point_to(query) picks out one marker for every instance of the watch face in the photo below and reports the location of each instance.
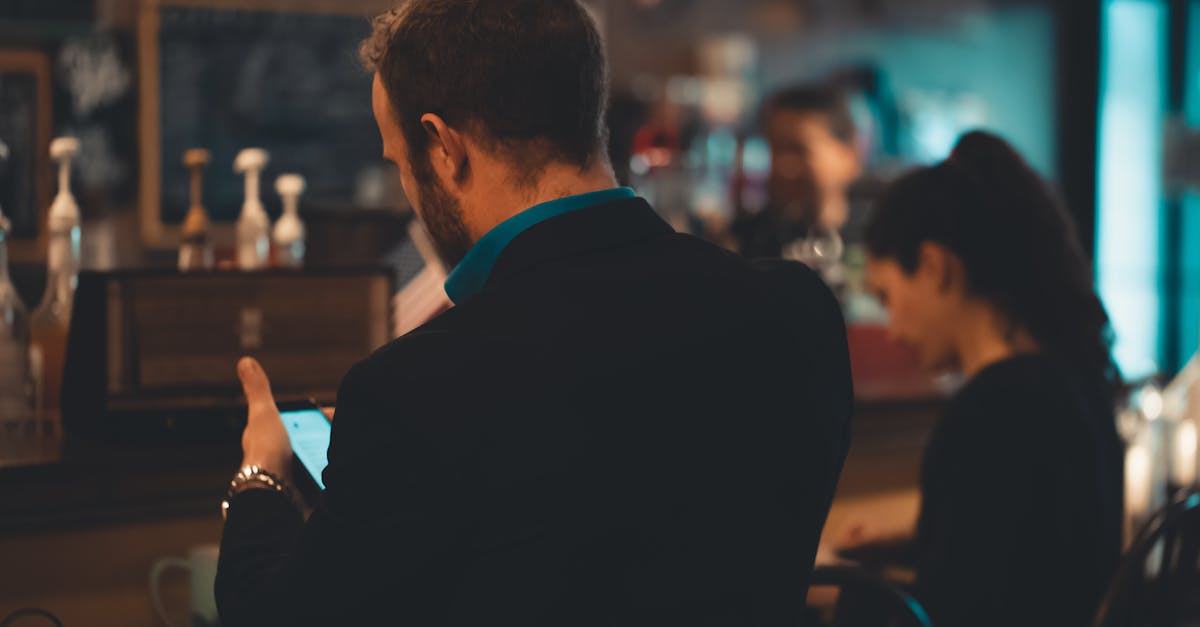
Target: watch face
(254, 478)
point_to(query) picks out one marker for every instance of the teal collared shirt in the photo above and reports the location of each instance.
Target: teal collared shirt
(471, 274)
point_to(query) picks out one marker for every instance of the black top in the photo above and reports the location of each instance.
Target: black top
(764, 234)
(1021, 511)
(627, 426)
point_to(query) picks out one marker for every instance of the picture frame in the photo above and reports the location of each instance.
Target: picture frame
(153, 202)
(26, 123)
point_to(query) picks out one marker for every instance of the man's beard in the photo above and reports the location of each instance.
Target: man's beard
(443, 219)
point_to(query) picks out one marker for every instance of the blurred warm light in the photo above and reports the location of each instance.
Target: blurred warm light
(1137, 480)
(1184, 455)
(1152, 403)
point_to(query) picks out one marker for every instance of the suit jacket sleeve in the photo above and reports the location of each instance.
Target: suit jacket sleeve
(395, 504)
(815, 316)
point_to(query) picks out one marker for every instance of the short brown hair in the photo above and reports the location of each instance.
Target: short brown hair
(529, 76)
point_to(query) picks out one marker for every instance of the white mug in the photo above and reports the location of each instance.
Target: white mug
(201, 563)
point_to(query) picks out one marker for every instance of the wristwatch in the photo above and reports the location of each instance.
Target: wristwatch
(254, 478)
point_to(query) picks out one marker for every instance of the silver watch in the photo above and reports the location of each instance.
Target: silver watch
(254, 478)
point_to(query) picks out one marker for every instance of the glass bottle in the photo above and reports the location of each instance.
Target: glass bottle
(195, 249)
(16, 380)
(51, 320)
(253, 225)
(289, 229)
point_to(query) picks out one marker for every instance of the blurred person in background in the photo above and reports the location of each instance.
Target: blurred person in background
(981, 271)
(814, 161)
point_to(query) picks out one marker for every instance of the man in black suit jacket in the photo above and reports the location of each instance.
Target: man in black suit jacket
(615, 425)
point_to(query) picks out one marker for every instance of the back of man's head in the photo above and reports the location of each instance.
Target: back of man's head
(525, 77)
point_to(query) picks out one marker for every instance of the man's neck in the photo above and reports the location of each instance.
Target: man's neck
(558, 181)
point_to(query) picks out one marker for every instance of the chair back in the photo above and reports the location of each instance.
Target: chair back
(1158, 581)
(883, 601)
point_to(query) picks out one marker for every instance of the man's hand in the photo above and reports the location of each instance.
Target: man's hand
(265, 442)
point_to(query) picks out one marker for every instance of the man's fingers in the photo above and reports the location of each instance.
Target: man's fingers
(254, 382)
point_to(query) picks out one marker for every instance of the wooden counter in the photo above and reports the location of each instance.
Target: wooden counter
(82, 521)
(71, 482)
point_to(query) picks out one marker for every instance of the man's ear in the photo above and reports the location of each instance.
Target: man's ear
(447, 149)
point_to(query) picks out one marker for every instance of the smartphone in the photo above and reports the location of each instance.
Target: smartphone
(309, 430)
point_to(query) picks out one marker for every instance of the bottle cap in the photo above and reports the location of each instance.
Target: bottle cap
(289, 185)
(64, 148)
(195, 157)
(250, 160)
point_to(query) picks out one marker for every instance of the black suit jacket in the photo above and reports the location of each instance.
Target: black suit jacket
(627, 426)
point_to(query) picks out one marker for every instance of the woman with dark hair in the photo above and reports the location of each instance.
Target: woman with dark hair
(1021, 483)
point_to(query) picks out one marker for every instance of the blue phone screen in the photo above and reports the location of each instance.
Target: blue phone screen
(308, 430)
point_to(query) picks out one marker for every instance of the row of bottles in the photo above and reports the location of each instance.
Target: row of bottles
(33, 347)
(254, 233)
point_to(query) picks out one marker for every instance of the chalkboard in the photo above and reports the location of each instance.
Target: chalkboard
(24, 130)
(17, 163)
(287, 82)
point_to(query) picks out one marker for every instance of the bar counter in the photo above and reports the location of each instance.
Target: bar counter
(75, 481)
(82, 521)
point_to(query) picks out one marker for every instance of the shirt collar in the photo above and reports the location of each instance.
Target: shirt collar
(471, 274)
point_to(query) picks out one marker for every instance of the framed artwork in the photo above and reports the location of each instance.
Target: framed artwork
(25, 127)
(224, 75)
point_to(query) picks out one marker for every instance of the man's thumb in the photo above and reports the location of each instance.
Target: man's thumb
(254, 381)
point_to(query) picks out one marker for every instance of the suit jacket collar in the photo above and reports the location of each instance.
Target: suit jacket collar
(607, 225)
(471, 274)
